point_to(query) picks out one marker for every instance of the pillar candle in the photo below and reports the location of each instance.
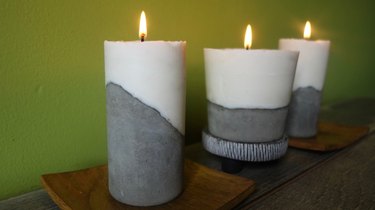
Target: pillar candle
(240, 81)
(308, 83)
(145, 84)
(248, 93)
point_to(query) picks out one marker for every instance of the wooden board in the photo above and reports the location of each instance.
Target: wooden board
(267, 175)
(204, 189)
(331, 136)
(346, 182)
(35, 200)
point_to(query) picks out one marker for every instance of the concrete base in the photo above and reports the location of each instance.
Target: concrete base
(244, 151)
(303, 113)
(246, 125)
(145, 152)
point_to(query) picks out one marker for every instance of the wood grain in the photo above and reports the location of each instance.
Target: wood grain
(346, 182)
(36, 200)
(331, 136)
(267, 175)
(204, 189)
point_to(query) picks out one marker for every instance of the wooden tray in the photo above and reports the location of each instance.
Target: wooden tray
(330, 137)
(204, 189)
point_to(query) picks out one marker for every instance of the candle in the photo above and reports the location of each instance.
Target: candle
(308, 83)
(145, 84)
(248, 93)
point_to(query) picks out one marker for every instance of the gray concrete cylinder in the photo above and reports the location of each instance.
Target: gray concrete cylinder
(145, 152)
(246, 125)
(303, 113)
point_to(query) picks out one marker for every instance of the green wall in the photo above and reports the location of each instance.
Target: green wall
(52, 96)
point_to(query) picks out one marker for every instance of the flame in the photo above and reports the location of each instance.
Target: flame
(143, 26)
(307, 31)
(248, 37)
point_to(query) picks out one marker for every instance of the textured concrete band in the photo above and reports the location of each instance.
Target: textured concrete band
(246, 125)
(145, 152)
(303, 112)
(254, 152)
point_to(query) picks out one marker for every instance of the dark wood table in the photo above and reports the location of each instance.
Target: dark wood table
(343, 179)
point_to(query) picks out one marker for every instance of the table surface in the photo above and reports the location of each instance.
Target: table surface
(300, 180)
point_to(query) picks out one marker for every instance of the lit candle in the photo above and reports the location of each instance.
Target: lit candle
(248, 93)
(308, 83)
(145, 83)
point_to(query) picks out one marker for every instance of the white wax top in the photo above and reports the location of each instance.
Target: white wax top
(239, 78)
(312, 61)
(153, 72)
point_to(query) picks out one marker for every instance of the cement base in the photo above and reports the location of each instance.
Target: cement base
(303, 113)
(145, 152)
(244, 151)
(246, 125)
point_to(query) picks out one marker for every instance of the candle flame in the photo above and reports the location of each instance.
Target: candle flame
(142, 26)
(248, 37)
(307, 31)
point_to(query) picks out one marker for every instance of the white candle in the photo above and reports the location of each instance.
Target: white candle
(248, 94)
(145, 84)
(308, 83)
(312, 61)
(153, 72)
(240, 78)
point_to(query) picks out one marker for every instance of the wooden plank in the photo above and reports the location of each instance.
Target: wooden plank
(346, 182)
(267, 175)
(204, 189)
(36, 200)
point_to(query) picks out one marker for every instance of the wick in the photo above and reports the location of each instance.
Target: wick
(142, 38)
(247, 47)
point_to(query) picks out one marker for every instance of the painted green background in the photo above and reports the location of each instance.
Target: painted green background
(52, 96)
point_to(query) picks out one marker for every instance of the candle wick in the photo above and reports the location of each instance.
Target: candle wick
(247, 47)
(142, 38)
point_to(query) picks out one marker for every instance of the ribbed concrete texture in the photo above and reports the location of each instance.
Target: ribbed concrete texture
(303, 112)
(246, 125)
(254, 152)
(145, 152)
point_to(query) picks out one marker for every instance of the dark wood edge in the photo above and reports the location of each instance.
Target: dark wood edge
(330, 148)
(59, 202)
(241, 197)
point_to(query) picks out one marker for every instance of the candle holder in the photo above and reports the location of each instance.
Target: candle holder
(248, 93)
(234, 154)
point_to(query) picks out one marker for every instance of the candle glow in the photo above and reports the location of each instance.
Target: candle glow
(307, 31)
(248, 38)
(143, 27)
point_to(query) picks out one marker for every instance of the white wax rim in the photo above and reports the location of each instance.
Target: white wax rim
(153, 72)
(312, 61)
(237, 78)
